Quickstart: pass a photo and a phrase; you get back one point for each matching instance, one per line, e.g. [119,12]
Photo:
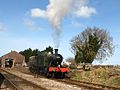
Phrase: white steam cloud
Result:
[85,11]
[57,9]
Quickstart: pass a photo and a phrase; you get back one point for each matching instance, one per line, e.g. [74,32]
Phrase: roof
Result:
[14,55]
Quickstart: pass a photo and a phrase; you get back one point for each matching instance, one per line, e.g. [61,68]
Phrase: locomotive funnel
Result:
[56,51]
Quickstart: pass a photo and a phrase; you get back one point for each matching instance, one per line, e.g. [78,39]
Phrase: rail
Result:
[12,84]
[87,85]
[16,85]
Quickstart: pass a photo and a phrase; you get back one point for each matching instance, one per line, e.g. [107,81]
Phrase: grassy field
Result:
[107,76]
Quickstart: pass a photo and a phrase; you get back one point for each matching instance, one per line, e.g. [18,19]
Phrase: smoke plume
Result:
[57,9]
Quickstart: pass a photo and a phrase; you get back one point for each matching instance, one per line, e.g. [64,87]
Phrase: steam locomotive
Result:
[48,64]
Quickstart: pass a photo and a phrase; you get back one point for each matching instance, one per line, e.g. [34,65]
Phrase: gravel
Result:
[46,83]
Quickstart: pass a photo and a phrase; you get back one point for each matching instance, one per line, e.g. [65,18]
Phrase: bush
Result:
[73,66]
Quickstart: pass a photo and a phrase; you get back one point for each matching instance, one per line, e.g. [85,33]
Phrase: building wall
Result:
[0,61]
[17,58]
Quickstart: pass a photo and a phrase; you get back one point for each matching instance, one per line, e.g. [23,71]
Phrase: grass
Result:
[106,76]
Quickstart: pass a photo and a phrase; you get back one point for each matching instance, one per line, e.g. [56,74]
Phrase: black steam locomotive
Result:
[48,64]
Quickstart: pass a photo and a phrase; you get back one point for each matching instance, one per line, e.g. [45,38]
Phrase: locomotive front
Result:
[55,67]
[56,59]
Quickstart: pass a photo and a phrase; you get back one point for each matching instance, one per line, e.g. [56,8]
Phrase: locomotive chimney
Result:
[56,51]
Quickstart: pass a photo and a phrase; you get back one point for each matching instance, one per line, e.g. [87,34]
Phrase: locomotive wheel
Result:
[31,69]
[53,75]
[62,75]
[48,75]
[57,74]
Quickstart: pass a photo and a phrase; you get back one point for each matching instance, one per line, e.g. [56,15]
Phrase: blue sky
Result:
[20,28]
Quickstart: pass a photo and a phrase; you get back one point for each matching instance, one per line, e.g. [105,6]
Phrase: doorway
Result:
[9,62]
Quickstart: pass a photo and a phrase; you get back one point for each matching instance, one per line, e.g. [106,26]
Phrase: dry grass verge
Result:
[106,76]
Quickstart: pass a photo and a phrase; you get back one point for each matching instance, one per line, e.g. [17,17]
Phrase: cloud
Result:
[38,13]
[2,27]
[85,11]
[31,24]
[55,10]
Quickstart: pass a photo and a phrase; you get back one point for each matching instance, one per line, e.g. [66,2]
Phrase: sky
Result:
[41,23]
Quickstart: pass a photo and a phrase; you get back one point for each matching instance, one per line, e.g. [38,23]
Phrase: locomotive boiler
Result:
[48,64]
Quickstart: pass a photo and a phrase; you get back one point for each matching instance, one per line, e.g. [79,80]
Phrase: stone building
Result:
[11,59]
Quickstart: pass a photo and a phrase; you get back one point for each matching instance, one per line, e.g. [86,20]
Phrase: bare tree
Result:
[93,43]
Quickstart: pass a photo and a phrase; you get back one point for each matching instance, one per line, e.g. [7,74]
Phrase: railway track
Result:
[87,85]
[84,85]
[8,83]
[47,84]
[13,82]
